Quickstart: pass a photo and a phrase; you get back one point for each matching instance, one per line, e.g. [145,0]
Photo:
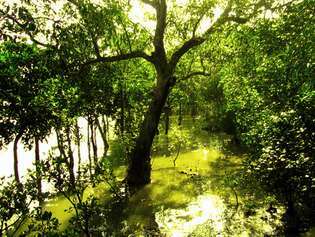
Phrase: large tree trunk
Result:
[38,173]
[139,169]
[15,156]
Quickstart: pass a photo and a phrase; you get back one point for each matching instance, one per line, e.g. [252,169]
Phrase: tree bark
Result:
[167,111]
[15,156]
[70,162]
[103,135]
[94,144]
[180,115]
[122,108]
[78,141]
[38,173]
[139,169]
[60,143]
[62,154]
[89,147]
[106,123]
[68,157]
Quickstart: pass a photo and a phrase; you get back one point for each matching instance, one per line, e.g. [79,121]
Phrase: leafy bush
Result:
[20,212]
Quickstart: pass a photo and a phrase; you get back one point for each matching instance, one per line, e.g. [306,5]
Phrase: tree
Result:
[24,115]
[103,33]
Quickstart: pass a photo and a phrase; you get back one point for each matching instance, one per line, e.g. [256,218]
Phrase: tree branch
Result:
[197,73]
[220,21]
[240,20]
[195,41]
[158,40]
[95,46]
[224,17]
[255,11]
[117,58]
[197,24]
[22,26]
[191,43]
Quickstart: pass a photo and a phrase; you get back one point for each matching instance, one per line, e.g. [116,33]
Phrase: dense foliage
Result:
[269,85]
[24,72]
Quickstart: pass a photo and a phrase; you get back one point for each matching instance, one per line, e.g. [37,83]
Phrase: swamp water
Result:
[197,197]
[202,195]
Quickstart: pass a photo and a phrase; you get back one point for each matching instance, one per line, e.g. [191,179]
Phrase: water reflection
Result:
[196,199]
[182,222]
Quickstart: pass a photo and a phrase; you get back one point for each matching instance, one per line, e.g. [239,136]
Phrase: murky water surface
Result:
[196,197]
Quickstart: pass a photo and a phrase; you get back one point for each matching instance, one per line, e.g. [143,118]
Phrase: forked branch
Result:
[224,17]
[195,41]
